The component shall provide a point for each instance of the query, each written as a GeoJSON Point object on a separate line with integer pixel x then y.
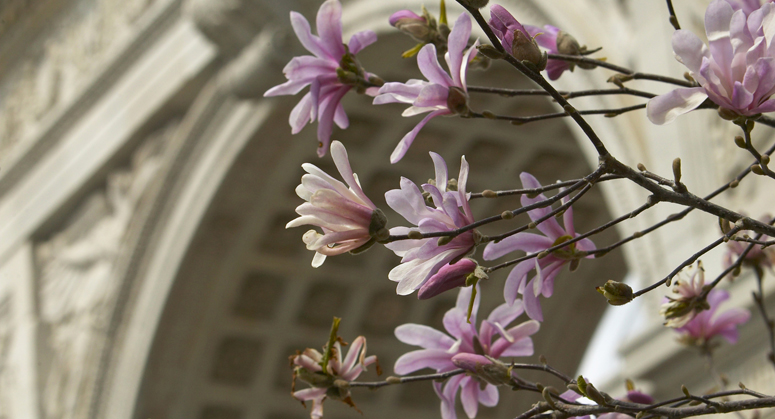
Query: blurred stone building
{"type": "Point", "coordinates": [145, 183]}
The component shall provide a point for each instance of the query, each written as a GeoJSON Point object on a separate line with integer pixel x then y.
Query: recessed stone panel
{"type": "Point", "coordinates": [385, 311]}
{"type": "Point", "coordinates": [236, 361]}
{"type": "Point", "coordinates": [324, 300]}
{"type": "Point", "coordinates": [277, 240]}
{"type": "Point", "coordinates": [221, 412]}
{"type": "Point", "coordinates": [258, 296]}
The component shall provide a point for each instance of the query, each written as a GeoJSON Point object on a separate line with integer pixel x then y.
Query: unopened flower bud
{"type": "Point", "coordinates": [567, 44]}
{"type": "Point", "coordinates": [393, 380]}
{"type": "Point", "coordinates": [507, 215]}
{"type": "Point", "coordinates": [457, 101]}
{"type": "Point", "coordinates": [448, 277]}
{"type": "Point", "coordinates": [414, 235]}
{"type": "Point", "coordinates": [765, 160]}
{"type": "Point", "coordinates": [486, 368]}
{"type": "Point", "coordinates": [727, 114]}
{"type": "Point", "coordinates": [740, 141]}
{"type": "Point", "coordinates": [525, 48]}
{"type": "Point", "coordinates": [617, 293]}
{"type": "Point", "coordinates": [487, 193]}
{"type": "Point", "coordinates": [757, 170]}
{"type": "Point", "coordinates": [595, 395]}
{"type": "Point", "coordinates": [490, 51]}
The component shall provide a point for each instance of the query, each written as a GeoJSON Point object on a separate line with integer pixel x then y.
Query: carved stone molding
{"type": "Point", "coordinates": [78, 282]}
{"type": "Point", "coordinates": [230, 24]}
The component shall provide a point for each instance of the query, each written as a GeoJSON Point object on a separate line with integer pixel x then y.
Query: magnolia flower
{"type": "Point", "coordinates": [331, 382]}
{"type": "Point", "coordinates": [464, 339]}
{"type": "Point", "coordinates": [349, 220]}
{"type": "Point", "coordinates": [737, 70]}
{"type": "Point", "coordinates": [707, 324]}
{"type": "Point", "coordinates": [686, 301]}
{"type": "Point", "coordinates": [747, 6]}
{"type": "Point", "coordinates": [547, 267]}
{"type": "Point", "coordinates": [421, 259]}
{"type": "Point", "coordinates": [757, 257]}
{"type": "Point", "coordinates": [330, 73]}
{"type": "Point", "coordinates": [442, 94]}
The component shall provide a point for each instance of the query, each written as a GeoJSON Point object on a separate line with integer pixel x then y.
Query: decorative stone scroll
{"type": "Point", "coordinates": [56, 66]}
{"type": "Point", "coordinates": [78, 285]}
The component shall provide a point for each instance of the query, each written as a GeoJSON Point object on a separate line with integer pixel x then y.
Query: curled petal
{"type": "Point", "coordinates": [665, 108]}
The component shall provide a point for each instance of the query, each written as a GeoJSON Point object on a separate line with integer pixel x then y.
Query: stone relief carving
{"type": "Point", "coordinates": [77, 282]}
{"type": "Point", "coordinates": [7, 373]}
{"type": "Point", "coordinates": [57, 66]}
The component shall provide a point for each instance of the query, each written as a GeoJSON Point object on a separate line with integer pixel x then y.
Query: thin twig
{"type": "Point", "coordinates": [525, 119]}
{"type": "Point", "coordinates": [407, 379]}
{"type": "Point", "coordinates": [538, 79]}
{"type": "Point", "coordinates": [693, 258]}
{"type": "Point", "coordinates": [634, 75]}
{"type": "Point", "coordinates": [566, 94]}
{"type": "Point", "coordinates": [673, 18]}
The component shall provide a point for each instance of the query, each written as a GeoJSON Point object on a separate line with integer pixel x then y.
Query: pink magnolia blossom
{"type": "Point", "coordinates": [756, 257]}
{"type": "Point", "coordinates": [322, 72]}
{"type": "Point", "coordinates": [421, 259]}
{"type": "Point", "coordinates": [707, 324]}
{"type": "Point", "coordinates": [324, 383]}
{"type": "Point", "coordinates": [348, 218]}
{"type": "Point", "coordinates": [443, 94]}
{"type": "Point", "coordinates": [546, 268]}
{"type": "Point", "coordinates": [439, 349]}
{"type": "Point", "coordinates": [736, 71]}
{"type": "Point", "coordinates": [685, 302]}
{"type": "Point", "coordinates": [747, 6]}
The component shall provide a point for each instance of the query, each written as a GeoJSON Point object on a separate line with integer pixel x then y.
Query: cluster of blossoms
{"type": "Point", "coordinates": [546, 268]}
{"type": "Point", "coordinates": [329, 373]}
{"type": "Point", "coordinates": [692, 311]}
{"type": "Point", "coordinates": [468, 348]}
{"type": "Point", "coordinates": [736, 71]}
{"type": "Point", "coordinates": [422, 259]}
{"type": "Point", "coordinates": [437, 250]}
{"type": "Point", "coordinates": [331, 72]}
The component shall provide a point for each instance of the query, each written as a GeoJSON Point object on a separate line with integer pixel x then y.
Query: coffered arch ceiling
{"type": "Point", "coordinates": [245, 297]}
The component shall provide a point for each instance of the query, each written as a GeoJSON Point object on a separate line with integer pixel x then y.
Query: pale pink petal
{"type": "Point", "coordinates": [516, 277]}
{"type": "Point", "coordinates": [329, 26]}
{"type": "Point", "coordinates": [469, 396]}
{"type": "Point", "coordinates": [457, 41]}
{"type": "Point", "coordinates": [432, 96]}
{"type": "Point", "coordinates": [665, 108]}
{"type": "Point", "coordinates": [361, 40]}
{"type": "Point", "coordinates": [311, 42]}
{"type": "Point", "coordinates": [424, 358]}
{"type": "Point", "coordinates": [526, 242]}
{"type": "Point", "coordinates": [408, 139]}
{"type": "Point", "coordinates": [489, 396]}
{"type": "Point", "coordinates": [430, 67]}
{"type": "Point", "coordinates": [689, 49]}
{"type": "Point", "coordinates": [326, 118]}
{"type": "Point", "coordinates": [532, 305]}
{"type": "Point", "coordinates": [342, 162]}
{"type": "Point", "coordinates": [423, 336]}
{"type": "Point", "coordinates": [301, 114]}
